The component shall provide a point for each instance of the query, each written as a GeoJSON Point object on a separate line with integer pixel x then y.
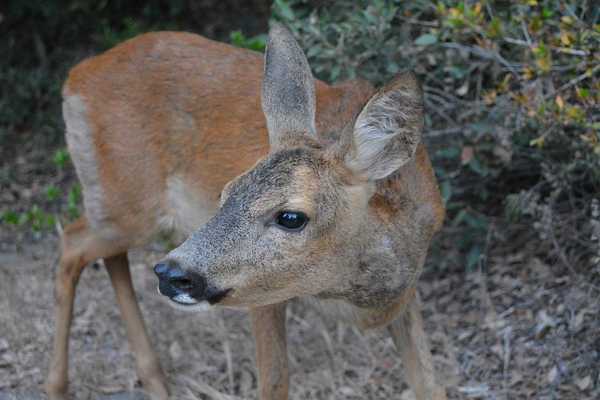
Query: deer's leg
{"type": "Point", "coordinates": [67, 277]}
{"type": "Point", "coordinates": [79, 246]}
{"type": "Point", "coordinates": [148, 367]}
{"type": "Point", "coordinates": [268, 325]}
{"type": "Point", "coordinates": [410, 340]}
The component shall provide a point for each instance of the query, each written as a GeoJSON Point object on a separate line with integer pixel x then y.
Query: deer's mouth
{"type": "Point", "coordinates": [189, 301]}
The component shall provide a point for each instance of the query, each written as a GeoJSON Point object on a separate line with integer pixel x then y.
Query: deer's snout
{"type": "Point", "coordinates": [178, 285]}
{"type": "Point", "coordinates": [185, 287]}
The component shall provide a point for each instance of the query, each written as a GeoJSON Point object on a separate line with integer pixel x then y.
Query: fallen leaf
{"type": "Point", "coordinates": [578, 320]}
{"type": "Point", "coordinates": [544, 324]}
{"type": "Point", "coordinates": [466, 155]}
{"type": "Point", "coordinates": [347, 391]}
{"type": "Point", "coordinates": [583, 383]}
{"type": "Point", "coordinates": [552, 375]}
{"type": "Point", "coordinates": [461, 91]}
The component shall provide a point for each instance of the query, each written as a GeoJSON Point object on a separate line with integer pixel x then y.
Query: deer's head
{"type": "Point", "coordinates": [300, 222]}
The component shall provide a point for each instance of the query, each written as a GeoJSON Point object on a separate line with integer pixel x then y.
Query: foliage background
{"type": "Point", "coordinates": [511, 91]}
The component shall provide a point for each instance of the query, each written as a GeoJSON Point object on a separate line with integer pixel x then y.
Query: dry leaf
{"type": "Point", "coordinates": [544, 324]}
{"type": "Point", "coordinates": [466, 155]}
{"type": "Point", "coordinates": [515, 378]}
{"type": "Point", "coordinates": [583, 383]}
{"type": "Point", "coordinates": [346, 391]}
{"type": "Point", "coordinates": [497, 350]}
{"type": "Point", "coordinates": [461, 91]}
{"type": "Point", "coordinates": [578, 320]}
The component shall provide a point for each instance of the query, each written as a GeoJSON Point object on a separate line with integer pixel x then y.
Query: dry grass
{"type": "Point", "coordinates": [521, 330]}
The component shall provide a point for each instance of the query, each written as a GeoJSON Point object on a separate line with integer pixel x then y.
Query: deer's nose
{"type": "Point", "coordinates": [179, 285]}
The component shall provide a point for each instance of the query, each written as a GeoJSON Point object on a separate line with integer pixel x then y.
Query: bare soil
{"type": "Point", "coordinates": [520, 330]}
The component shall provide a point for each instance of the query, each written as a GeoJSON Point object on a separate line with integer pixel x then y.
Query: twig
{"type": "Point", "coordinates": [442, 114]}
{"type": "Point", "coordinates": [525, 32]}
{"type": "Point", "coordinates": [575, 52]}
{"type": "Point", "coordinates": [451, 99]}
{"type": "Point", "coordinates": [442, 132]}
{"type": "Point", "coordinates": [329, 344]}
{"type": "Point", "coordinates": [227, 351]}
{"type": "Point", "coordinates": [557, 248]}
{"type": "Point", "coordinates": [506, 359]}
{"type": "Point", "coordinates": [413, 21]}
{"type": "Point", "coordinates": [483, 53]}
{"type": "Point", "coordinates": [518, 42]}
{"type": "Point", "coordinates": [207, 389]}
{"type": "Point", "coordinates": [574, 81]}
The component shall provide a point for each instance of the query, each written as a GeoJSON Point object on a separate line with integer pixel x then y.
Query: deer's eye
{"type": "Point", "coordinates": [291, 220]}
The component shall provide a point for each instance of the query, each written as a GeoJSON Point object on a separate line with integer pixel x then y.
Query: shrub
{"type": "Point", "coordinates": [511, 91]}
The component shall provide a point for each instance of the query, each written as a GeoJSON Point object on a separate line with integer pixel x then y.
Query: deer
{"type": "Point", "coordinates": [280, 186]}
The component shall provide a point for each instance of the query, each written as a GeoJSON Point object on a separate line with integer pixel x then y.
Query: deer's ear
{"type": "Point", "coordinates": [387, 130]}
{"type": "Point", "coordinates": [288, 89]}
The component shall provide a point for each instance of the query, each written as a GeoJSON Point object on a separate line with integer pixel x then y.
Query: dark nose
{"type": "Point", "coordinates": [173, 280]}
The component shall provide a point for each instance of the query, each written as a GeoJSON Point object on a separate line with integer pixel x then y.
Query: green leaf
{"type": "Point", "coordinates": [335, 72]}
{"type": "Point", "coordinates": [61, 158]}
{"type": "Point", "coordinates": [392, 68]}
{"type": "Point", "coordinates": [478, 167]}
{"type": "Point", "coordinates": [448, 152]}
{"type": "Point", "coordinates": [547, 13]}
{"type": "Point", "coordinates": [446, 188]}
{"type": "Point", "coordinates": [473, 257]}
{"type": "Point", "coordinates": [426, 40]}
{"type": "Point", "coordinates": [10, 217]}
{"type": "Point", "coordinates": [52, 193]}
{"type": "Point", "coordinates": [73, 200]}
{"type": "Point", "coordinates": [284, 9]}
{"type": "Point", "coordinates": [257, 43]}
{"type": "Point", "coordinates": [237, 38]}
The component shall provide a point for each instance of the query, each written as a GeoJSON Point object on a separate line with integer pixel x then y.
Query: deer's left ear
{"type": "Point", "coordinates": [388, 129]}
{"type": "Point", "coordinates": [288, 89]}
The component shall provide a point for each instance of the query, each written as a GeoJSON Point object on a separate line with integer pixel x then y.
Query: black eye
{"type": "Point", "coordinates": [291, 220]}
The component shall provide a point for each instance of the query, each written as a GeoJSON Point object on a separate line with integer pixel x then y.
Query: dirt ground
{"type": "Point", "coordinates": [521, 330]}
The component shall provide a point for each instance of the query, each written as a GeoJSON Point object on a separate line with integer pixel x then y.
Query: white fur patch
{"type": "Point", "coordinates": [191, 306]}
{"type": "Point", "coordinates": [186, 209]}
{"type": "Point", "coordinates": [83, 153]}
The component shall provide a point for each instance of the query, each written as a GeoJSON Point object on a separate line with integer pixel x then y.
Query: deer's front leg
{"type": "Point", "coordinates": [268, 325]}
{"type": "Point", "coordinates": [410, 340]}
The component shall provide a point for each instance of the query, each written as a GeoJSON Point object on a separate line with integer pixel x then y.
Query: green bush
{"type": "Point", "coordinates": [511, 92]}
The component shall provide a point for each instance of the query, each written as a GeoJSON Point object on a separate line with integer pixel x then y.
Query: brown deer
{"type": "Point", "coordinates": [324, 191]}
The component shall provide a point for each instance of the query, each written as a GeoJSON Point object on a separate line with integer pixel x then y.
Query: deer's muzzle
{"type": "Point", "coordinates": [185, 288]}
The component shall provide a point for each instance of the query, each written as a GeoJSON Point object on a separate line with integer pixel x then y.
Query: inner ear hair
{"type": "Point", "coordinates": [388, 129]}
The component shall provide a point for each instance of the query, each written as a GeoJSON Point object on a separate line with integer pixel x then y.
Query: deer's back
{"type": "Point", "coordinates": [158, 125]}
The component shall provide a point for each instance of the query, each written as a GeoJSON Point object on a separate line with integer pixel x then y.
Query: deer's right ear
{"type": "Point", "coordinates": [388, 130]}
{"type": "Point", "coordinates": [288, 89]}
